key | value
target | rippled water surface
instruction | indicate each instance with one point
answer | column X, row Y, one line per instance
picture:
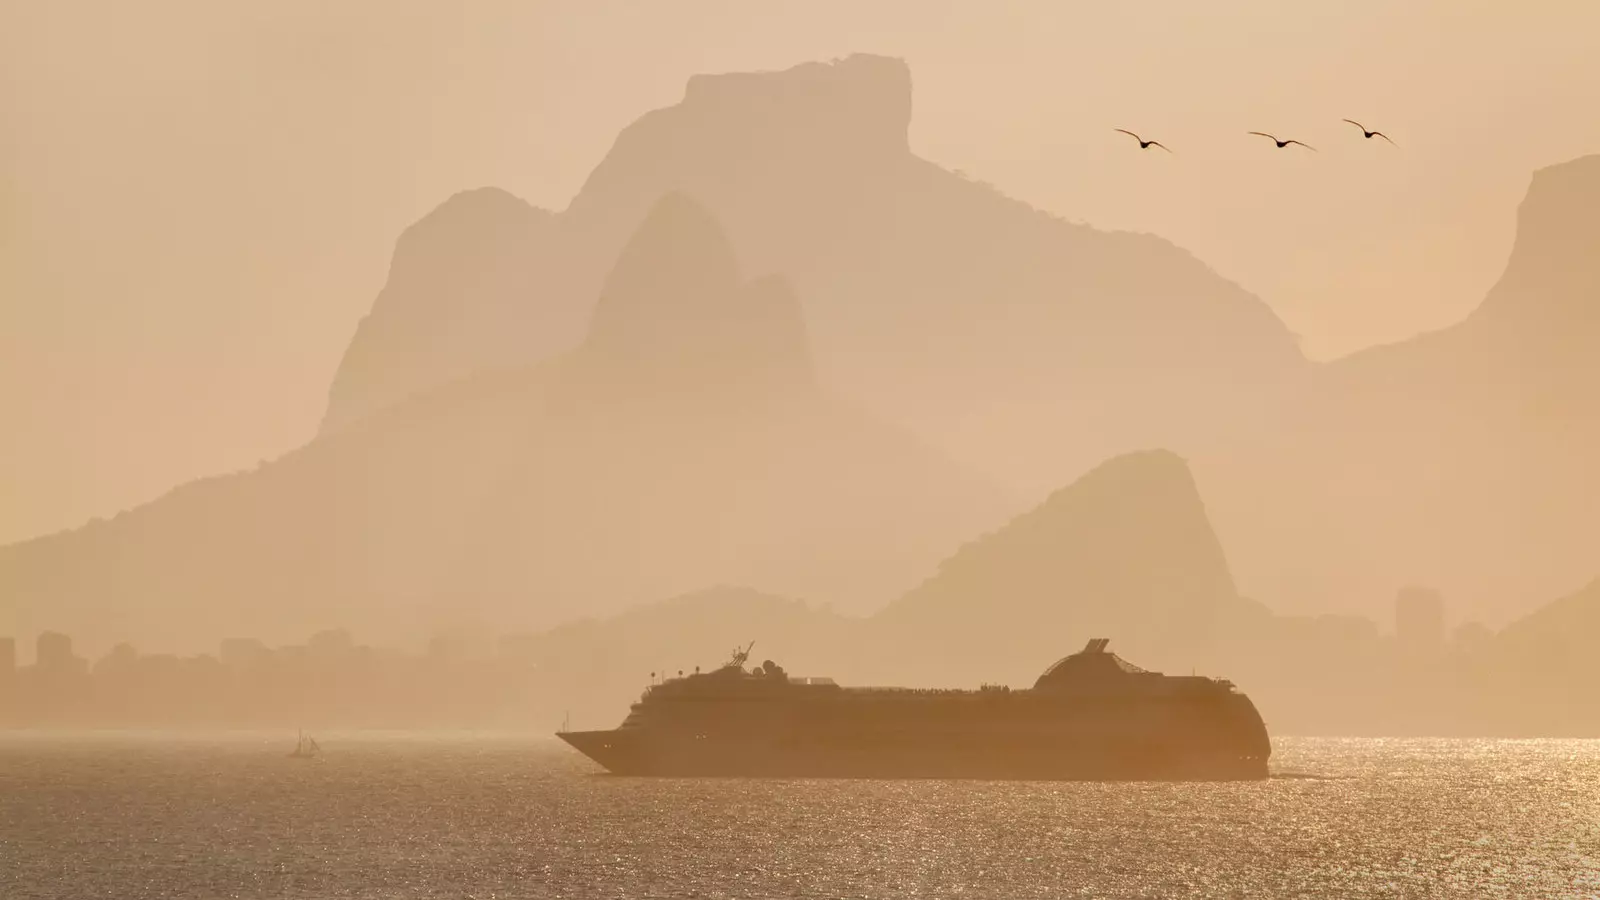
column 148, row 816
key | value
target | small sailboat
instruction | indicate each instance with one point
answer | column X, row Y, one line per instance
column 305, row 747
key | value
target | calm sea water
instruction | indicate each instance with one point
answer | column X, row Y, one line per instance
column 152, row 816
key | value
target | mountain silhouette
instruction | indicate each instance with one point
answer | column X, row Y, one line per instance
column 1551, row 284
column 1463, row 458
column 461, row 287
column 1126, row 550
column 557, row 413
column 1031, row 348
column 1537, row 676
column 675, row 316
column 1556, row 641
column 1024, row 345
column 684, row 442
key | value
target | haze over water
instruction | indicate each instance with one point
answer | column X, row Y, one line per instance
column 483, row 817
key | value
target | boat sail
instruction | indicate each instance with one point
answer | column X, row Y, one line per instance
column 305, row 747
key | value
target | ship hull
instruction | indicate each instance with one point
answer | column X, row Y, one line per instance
column 642, row 752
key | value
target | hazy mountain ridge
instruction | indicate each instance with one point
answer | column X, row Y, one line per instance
column 973, row 317
column 1462, row 458
column 1330, row 484
column 979, row 321
column 1551, row 278
column 1127, row 551
column 720, row 334
column 1539, row 673
column 460, row 288
column 1541, row 306
column 1032, row 349
column 1570, row 622
column 623, row 471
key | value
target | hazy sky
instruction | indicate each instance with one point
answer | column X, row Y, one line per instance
column 198, row 200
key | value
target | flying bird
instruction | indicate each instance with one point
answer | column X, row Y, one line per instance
column 1143, row 144
column 1282, row 144
column 1369, row 134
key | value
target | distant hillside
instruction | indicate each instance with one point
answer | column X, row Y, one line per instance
column 1557, row 639
column 1464, row 458
column 1540, row 676
column 1024, row 345
column 553, row 414
column 685, row 442
column 1126, row 551
column 1030, row 348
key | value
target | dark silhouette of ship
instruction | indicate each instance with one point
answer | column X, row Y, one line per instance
column 1090, row 716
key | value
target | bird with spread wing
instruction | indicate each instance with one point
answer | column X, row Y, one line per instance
column 1284, row 143
column 1143, row 144
column 1369, row 134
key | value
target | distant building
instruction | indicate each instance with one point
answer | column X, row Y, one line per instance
column 55, row 667
column 53, row 653
column 121, row 660
column 1419, row 618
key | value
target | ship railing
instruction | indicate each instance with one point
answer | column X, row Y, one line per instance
column 906, row 691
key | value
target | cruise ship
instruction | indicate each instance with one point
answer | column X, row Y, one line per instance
column 1091, row 716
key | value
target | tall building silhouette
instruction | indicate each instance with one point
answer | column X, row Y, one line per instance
column 53, row 655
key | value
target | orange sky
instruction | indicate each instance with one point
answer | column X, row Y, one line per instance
column 197, row 200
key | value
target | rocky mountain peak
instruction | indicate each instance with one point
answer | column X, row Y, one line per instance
column 1552, row 281
column 460, row 281
column 675, row 275
column 675, row 308
column 1126, row 551
column 745, row 143
column 862, row 98
column 1130, row 536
